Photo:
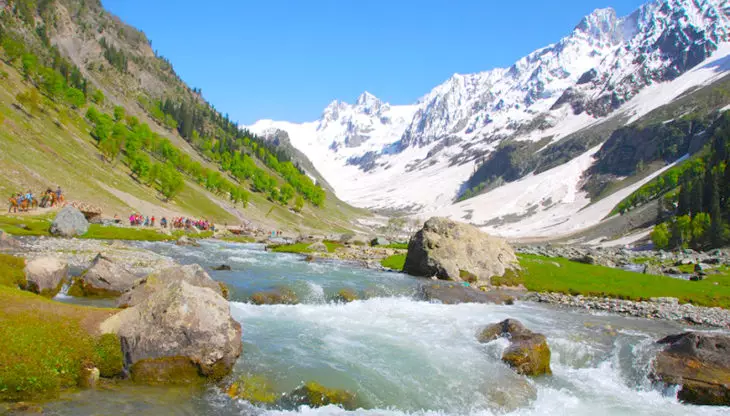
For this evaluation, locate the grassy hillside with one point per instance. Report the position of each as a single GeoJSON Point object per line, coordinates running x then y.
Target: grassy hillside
{"type": "Point", "coordinates": [46, 140]}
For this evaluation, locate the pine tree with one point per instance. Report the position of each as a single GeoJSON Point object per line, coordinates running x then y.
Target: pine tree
{"type": "Point", "coordinates": [717, 225]}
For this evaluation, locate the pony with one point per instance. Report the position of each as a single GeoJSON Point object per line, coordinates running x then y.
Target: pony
{"type": "Point", "coordinates": [13, 204]}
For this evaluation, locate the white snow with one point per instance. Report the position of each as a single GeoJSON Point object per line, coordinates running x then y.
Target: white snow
{"type": "Point", "coordinates": [549, 204]}
{"type": "Point", "coordinates": [418, 157]}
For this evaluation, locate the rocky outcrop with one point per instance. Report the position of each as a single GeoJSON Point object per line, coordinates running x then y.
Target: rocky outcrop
{"type": "Point", "coordinates": [180, 333]}
{"type": "Point", "coordinates": [69, 222]}
{"type": "Point", "coordinates": [455, 251]}
{"type": "Point", "coordinates": [192, 274]}
{"type": "Point", "coordinates": [104, 278]}
{"type": "Point", "coordinates": [92, 213]}
{"type": "Point", "coordinates": [698, 362]}
{"type": "Point", "coordinates": [455, 293]}
{"type": "Point", "coordinates": [528, 352]}
{"type": "Point", "coordinates": [46, 275]}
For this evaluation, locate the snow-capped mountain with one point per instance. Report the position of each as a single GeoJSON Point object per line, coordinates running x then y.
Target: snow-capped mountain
{"type": "Point", "coordinates": [418, 157]}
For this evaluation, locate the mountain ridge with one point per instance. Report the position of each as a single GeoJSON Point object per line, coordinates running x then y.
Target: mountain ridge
{"type": "Point", "coordinates": [585, 78]}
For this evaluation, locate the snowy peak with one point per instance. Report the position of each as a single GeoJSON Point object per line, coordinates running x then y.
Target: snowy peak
{"type": "Point", "coordinates": [602, 25]}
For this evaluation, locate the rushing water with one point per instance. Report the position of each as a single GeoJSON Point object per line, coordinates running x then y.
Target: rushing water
{"type": "Point", "coordinates": [403, 356]}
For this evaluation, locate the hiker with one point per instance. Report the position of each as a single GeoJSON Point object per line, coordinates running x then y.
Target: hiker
{"type": "Point", "coordinates": [117, 220]}
{"type": "Point", "coordinates": [163, 222]}
{"type": "Point", "coordinates": [152, 221]}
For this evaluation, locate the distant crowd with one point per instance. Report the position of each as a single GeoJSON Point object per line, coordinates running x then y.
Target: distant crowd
{"type": "Point", "coordinates": [24, 202]}
{"type": "Point", "coordinates": [138, 220]}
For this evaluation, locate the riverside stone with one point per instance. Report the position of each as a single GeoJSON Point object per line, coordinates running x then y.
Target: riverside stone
{"type": "Point", "coordinates": [45, 275]}
{"type": "Point", "coordinates": [698, 362]}
{"type": "Point", "coordinates": [456, 251]}
{"type": "Point", "coordinates": [528, 352]}
{"type": "Point", "coordinates": [177, 333]}
{"type": "Point", "coordinates": [192, 274]}
{"type": "Point", "coordinates": [104, 278]}
{"type": "Point", "coordinates": [69, 222]}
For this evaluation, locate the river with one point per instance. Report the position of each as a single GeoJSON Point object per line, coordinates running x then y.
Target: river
{"type": "Point", "coordinates": [402, 356]}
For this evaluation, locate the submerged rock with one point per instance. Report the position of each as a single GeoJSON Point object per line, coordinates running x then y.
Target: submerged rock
{"type": "Point", "coordinates": [45, 276]}
{"type": "Point", "coordinates": [187, 241]}
{"type": "Point", "coordinates": [192, 274]}
{"type": "Point", "coordinates": [450, 250]}
{"type": "Point", "coordinates": [278, 296]}
{"type": "Point", "coordinates": [313, 394]}
{"type": "Point", "coordinates": [528, 352]}
{"type": "Point", "coordinates": [511, 396]}
{"type": "Point", "coordinates": [698, 362]}
{"type": "Point", "coordinates": [455, 293]}
{"type": "Point", "coordinates": [255, 389]}
{"type": "Point", "coordinates": [222, 267]}
{"type": "Point", "coordinates": [178, 334]}
{"type": "Point", "coordinates": [346, 296]}
{"type": "Point", "coordinates": [103, 278]}
{"type": "Point", "coordinates": [69, 222]}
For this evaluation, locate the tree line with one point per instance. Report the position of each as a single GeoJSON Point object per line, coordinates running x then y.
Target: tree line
{"type": "Point", "coordinates": [696, 214]}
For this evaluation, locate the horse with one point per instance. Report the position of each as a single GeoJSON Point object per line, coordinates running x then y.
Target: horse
{"type": "Point", "coordinates": [34, 204]}
{"type": "Point", "coordinates": [56, 199]}
{"type": "Point", "coordinates": [13, 204]}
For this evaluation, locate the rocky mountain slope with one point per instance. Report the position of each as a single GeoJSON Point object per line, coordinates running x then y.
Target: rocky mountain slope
{"type": "Point", "coordinates": [540, 120]}
{"type": "Point", "coordinates": [55, 49]}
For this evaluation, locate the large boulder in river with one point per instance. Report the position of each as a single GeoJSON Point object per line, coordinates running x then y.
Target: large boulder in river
{"type": "Point", "coordinates": [103, 278]}
{"type": "Point", "coordinates": [178, 334]}
{"type": "Point", "coordinates": [192, 274]}
{"type": "Point", "coordinates": [528, 352]}
{"type": "Point", "coordinates": [69, 222]}
{"type": "Point", "coordinates": [698, 362]}
{"type": "Point", "coordinates": [455, 251]}
{"type": "Point", "coordinates": [46, 275]}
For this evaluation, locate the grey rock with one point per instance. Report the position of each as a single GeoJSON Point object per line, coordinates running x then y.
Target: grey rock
{"type": "Point", "coordinates": [46, 275]}
{"type": "Point", "coordinates": [698, 362]}
{"type": "Point", "coordinates": [456, 293]}
{"type": "Point", "coordinates": [142, 288]}
{"type": "Point", "coordinates": [449, 250]}
{"type": "Point", "coordinates": [105, 277]}
{"type": "Point", "coordinates": [69, 222]}
{"type": "Point", "coordinates": [318, 247]}
{"type": "Point", "coordinates": [179, 320]}
{"type": "Point", "coordinates": [379, 241]}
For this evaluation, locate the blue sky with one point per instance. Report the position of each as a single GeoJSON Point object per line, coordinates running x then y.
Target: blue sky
{"type": "Point", "coordinates": [286, 60]}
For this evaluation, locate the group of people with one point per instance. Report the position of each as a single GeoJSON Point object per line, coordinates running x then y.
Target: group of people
{"type": "Point", "coordinates": [24, 202]}
{"type": "Point", "coordinates": [137, 219]}
{"type": "Point", "coordinates": [188, 223]}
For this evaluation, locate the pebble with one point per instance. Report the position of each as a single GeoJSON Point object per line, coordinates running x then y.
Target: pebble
{"type": "Point", "coordinates": [657, 308]}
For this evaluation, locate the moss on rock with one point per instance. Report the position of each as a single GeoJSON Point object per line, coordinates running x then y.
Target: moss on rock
{"type": "Point", "coordinates": [255, 389]}
{"type": "Point", "coordinates": [346, 296]}
{"type": "Point", "coordinates": [166, 370]}
{"type": "Point", "coordinates": [109, 357]}
{"type": "Point", "coordinates": [278, 296]}
{"type": "Point", "coordinates": [314, 394]}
